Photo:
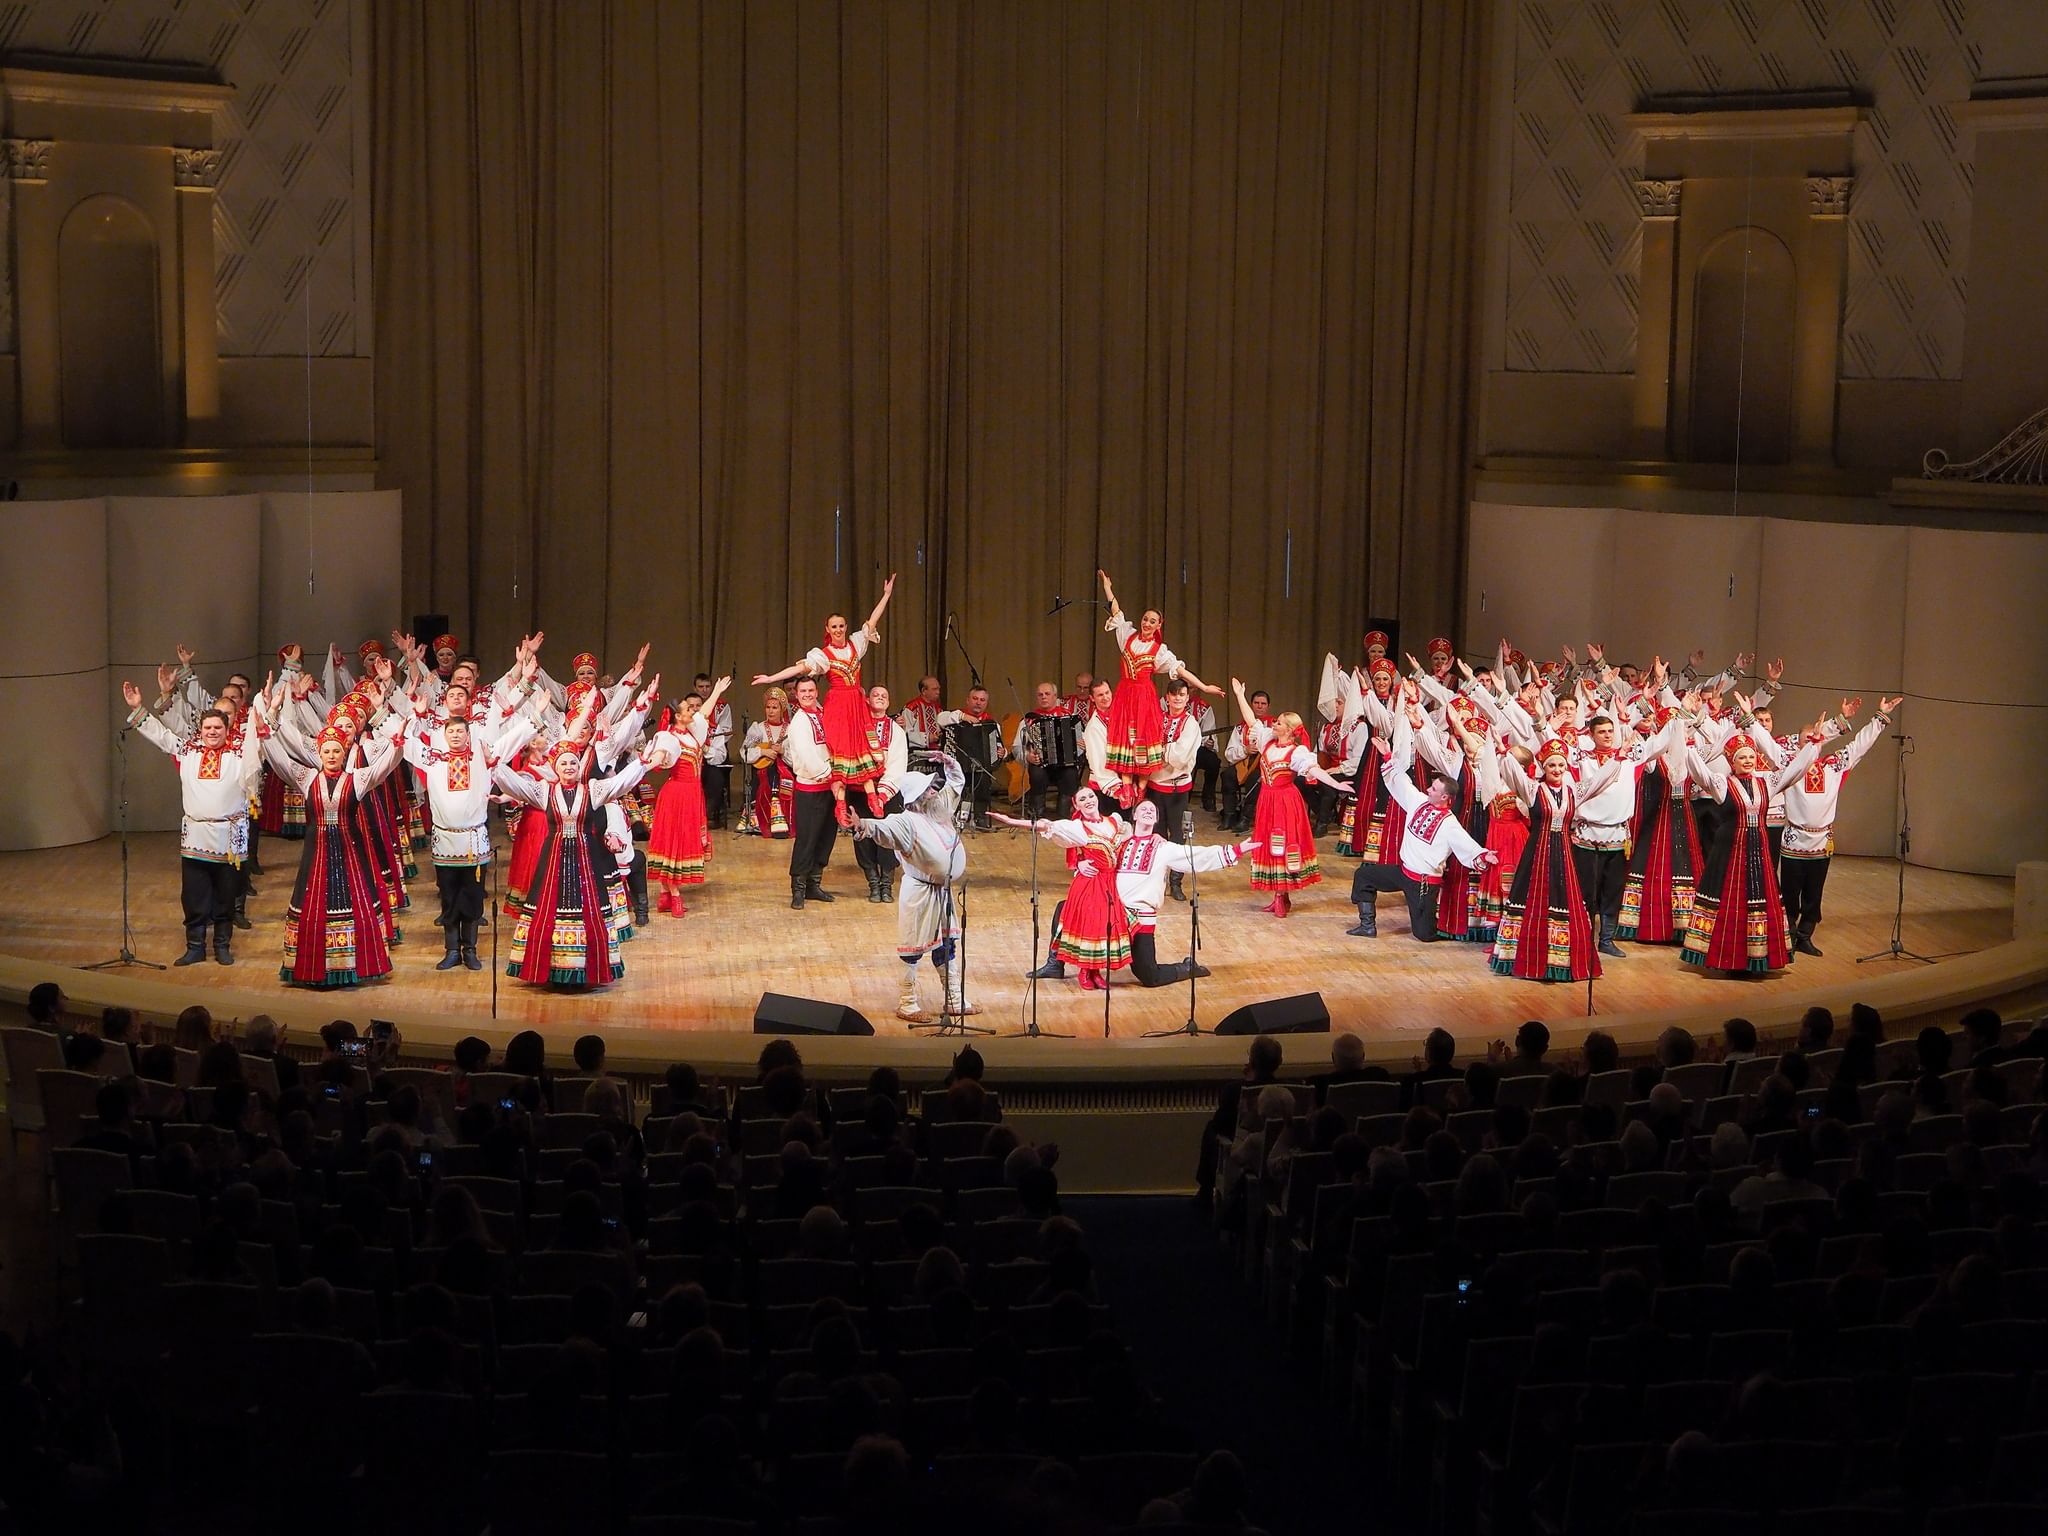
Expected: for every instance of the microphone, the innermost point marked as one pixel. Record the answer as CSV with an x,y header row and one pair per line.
x,y
1187,825
1058,603
949,623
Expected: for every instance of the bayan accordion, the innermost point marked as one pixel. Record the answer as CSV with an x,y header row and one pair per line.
x,y
1056,739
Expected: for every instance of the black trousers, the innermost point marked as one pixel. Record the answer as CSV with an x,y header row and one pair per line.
x,y
1602,874
207,891
462,894
715,777
249,863
636,879
1370,880
1145,966
1240,801
1172,805
1058,783
1800,882
873,858
1208,768
810,848
981,789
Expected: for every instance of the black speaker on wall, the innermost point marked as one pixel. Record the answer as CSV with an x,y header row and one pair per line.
x,y
780,1014
426,626
1305,1013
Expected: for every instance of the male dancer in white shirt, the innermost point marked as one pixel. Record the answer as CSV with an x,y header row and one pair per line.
x,y
809,761
1146,862
716,768
1430,838
889,742
1811,802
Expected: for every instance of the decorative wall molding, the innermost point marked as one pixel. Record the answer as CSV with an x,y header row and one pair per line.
x,y
27,159
1659,199
2018,458
1583,71
196,167
290,196
1827,197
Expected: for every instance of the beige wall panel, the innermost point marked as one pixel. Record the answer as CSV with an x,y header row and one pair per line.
x,y
1832,603
178,571
1975,785
57,783
1976,626
1668,592
53,586
349,540
1534,574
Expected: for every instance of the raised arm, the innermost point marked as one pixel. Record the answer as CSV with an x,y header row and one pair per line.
x,y
604,791
874,619
1244,705
153,730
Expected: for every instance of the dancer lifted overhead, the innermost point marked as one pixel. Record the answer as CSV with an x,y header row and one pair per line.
x,y
1137,729
846,716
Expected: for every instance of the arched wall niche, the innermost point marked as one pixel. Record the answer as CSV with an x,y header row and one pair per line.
x,y
110,327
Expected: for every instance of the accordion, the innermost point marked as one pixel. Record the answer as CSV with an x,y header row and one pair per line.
x,y
1055,738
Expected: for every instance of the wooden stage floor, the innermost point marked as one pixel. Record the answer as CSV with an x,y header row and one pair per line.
x,y
707,971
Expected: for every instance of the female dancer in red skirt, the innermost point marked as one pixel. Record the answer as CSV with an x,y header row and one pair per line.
x,y
1738,918
1090,927
1137,729
679,843
564,936
529,831
335,922
1545,934
1283,841
846,705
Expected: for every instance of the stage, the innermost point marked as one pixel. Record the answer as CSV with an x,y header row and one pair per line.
x,y
705,972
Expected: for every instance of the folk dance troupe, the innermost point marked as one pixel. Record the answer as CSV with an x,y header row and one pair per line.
x,y
1544,813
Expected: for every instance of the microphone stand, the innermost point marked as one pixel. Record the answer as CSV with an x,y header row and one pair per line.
x,y
126,954
953,629
1059,603
1031,1031
1187,829
1896,948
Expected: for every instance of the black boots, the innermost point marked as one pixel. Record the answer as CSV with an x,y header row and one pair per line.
x,y
242,913
1368,923
223,954
1607,946
1054,969
1802,943
452,957
195,945
469,954
877,886
1173,888
813,891
797,886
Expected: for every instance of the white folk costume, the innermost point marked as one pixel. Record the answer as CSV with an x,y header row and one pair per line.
x,y
215,786
807,752
1810,803
1603,820
459,795
1100,777
920,722
565,935
925,841
1431,836
1144,864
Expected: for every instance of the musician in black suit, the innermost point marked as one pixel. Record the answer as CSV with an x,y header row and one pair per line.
x,y
1048,743
977,740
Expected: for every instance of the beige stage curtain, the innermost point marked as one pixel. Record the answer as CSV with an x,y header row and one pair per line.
x,y
1020,287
